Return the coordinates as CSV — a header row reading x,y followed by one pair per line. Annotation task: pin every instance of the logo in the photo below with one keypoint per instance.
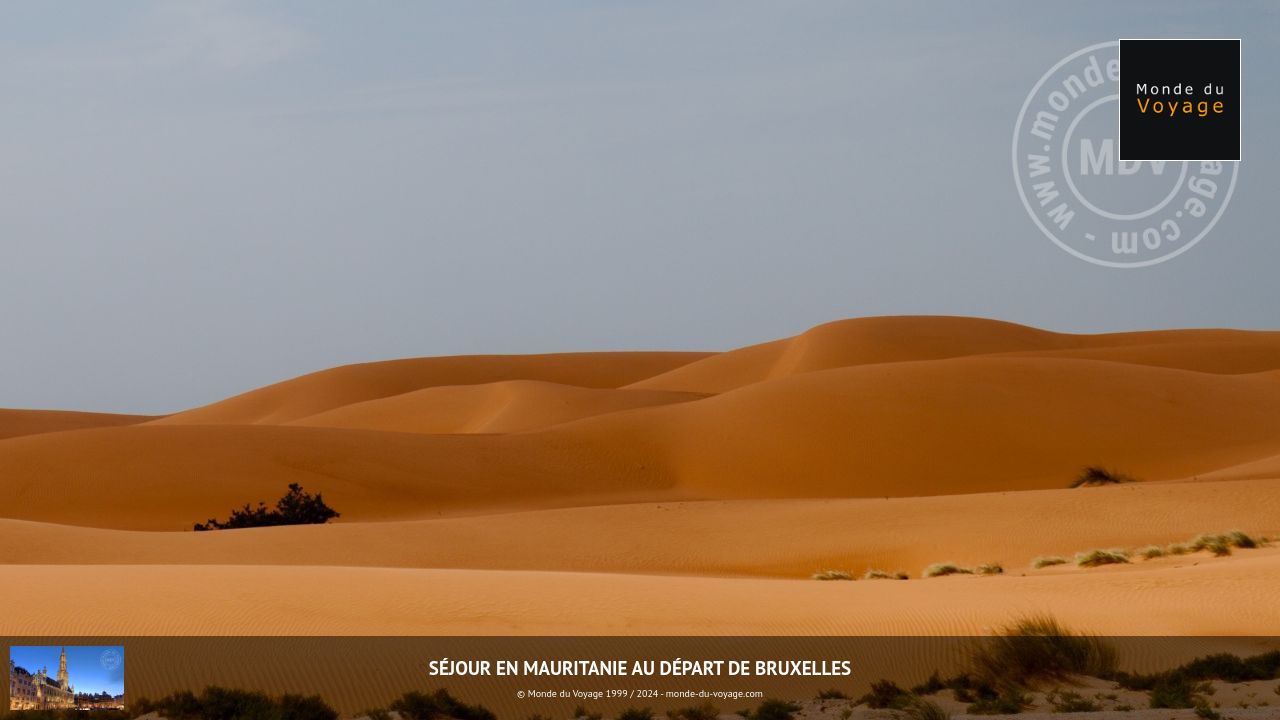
x,y
1107,211
111,659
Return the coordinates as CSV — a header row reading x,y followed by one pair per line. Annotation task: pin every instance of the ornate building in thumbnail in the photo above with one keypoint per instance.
x,y
39,691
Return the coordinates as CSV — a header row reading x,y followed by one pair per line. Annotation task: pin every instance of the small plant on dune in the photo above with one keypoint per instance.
x,y
832,575
582,713
1045,561
1151,552
874,574
1009,702
636,714
925,710
775,710
295,508
428,706
1219,545
1207,713
1178,549
1244,541
1040,648
1065,701
1097,558
943,569
832,694
1095,475
886,694
933,685
989,569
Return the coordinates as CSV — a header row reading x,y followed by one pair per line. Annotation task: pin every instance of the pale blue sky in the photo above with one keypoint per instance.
x,y
203,197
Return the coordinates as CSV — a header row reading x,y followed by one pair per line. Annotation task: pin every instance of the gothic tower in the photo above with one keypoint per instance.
x,y
63,680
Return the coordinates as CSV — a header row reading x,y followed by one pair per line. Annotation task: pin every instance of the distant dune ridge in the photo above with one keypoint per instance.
x,y
886,442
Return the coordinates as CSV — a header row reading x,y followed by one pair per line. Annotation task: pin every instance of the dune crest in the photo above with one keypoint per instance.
x,y
501,407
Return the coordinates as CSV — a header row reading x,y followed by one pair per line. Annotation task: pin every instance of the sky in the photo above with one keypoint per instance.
x,y
204,197
86,668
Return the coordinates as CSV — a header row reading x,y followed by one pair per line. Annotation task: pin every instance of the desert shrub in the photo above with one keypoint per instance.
x,y
381,714
886,694
217,703
695,712
926,710
1242,540
1045,561
1095,475
1039,648
990,569
1173,691
934,684
1151,552
636,714
832,575
1096,558
295,508
582,713
437,705
1219,545
1178,549
875,574
1066,701
775,710
1207,713
946,568
832,694
1009,702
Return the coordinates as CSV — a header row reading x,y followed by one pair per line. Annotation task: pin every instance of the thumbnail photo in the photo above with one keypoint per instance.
x,y
74,677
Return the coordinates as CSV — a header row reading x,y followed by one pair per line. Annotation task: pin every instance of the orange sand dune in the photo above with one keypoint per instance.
x,y
708,538
651,493
943,427
328,389
16,423
865,341
502,407
165,477
274,600
1258,353
962,425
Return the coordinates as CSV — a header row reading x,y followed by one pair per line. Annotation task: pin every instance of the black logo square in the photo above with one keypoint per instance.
x,y
1180,99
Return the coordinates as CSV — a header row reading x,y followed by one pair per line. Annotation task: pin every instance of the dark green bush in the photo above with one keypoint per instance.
x,y
1039,648
775,710
438,705
886,694
295,508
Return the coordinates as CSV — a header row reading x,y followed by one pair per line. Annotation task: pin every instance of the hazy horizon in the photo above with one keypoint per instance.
x,y
207,197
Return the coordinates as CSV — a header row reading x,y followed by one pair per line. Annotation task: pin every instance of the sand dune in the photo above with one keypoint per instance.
x,y
966,425
945,427
17,423
648,493
173,476
707,538
266,600
328,389
502,407
865,341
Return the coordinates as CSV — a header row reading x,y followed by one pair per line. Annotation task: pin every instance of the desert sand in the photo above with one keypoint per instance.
x,y
673,493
